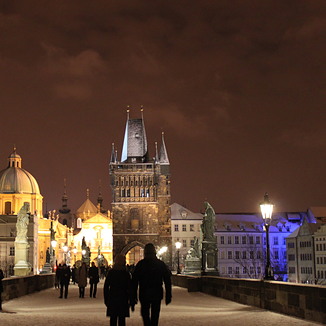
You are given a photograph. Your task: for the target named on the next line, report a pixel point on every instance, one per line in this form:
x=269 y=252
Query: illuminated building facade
x=18 y=186
x=140 y=194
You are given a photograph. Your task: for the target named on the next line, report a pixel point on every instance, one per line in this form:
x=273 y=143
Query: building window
x=192 y=243
x=222 y=239
x=291 y=257
x=251 y=240
x=12 y=251
x=79 y=223
x=229 y=254
x=275 y=241
x=291 y=270
x=244 y=255
x=184 y=243
x=237 y=255
x=251 y=253
x=236 y=239
x=244 y=240
x=176 y=227
x=244 y=270
x=276 y=254
x=258 y=270
x=192 y=228
x=7 y=207
x=252 y=270
x=229 y=270
x=237 y=270
x=229 y=240
x=258 y=254
x=257 y=240
x=184 y=227
x=290 y=244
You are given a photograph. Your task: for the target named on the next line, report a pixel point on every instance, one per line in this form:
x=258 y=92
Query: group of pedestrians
x=124 y=287
x=122 y=291
x=79 y=276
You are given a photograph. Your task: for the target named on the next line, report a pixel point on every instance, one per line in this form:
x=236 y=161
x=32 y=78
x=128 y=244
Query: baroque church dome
x=14 y=179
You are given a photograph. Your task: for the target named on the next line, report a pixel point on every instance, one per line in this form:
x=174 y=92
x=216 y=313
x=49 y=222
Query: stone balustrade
x=299 y=300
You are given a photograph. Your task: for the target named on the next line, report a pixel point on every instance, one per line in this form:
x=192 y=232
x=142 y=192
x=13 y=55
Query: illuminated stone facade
x=140 y=194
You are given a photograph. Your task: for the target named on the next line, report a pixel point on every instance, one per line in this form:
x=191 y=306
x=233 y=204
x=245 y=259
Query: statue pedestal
x=209 y=258
x=47 y=268
x=192 y=265
x=21 y=268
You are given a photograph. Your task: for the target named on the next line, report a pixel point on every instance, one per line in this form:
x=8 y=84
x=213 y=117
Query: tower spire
x=164 y=159
x=100 y=198
x=156 y=153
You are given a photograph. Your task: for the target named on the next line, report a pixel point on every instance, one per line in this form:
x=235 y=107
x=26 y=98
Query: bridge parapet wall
x=299 y=300
x=15 y=287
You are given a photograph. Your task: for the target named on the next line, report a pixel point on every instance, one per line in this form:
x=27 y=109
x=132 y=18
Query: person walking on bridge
x=65 y=274
x=116 y=290
x=94 y=278
x=149 y=275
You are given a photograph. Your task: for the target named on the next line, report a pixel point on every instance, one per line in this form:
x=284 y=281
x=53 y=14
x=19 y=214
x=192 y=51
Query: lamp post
x=53 y=244
x=75 y=253
x=266 y=208
x=178 y=245
x=65 y=250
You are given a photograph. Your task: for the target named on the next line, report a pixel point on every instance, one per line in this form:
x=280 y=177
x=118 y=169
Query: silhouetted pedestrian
x=94 y=278
x=1 y=288
x=117 y=292
x=82 y=279
x=57 y=276
x=149 y=275
x=73 y=274
x=64 y=280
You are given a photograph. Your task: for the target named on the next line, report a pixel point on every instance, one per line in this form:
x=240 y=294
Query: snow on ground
x=46 y=309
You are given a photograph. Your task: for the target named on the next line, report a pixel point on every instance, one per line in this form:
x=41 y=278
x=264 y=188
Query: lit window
x=184 y=227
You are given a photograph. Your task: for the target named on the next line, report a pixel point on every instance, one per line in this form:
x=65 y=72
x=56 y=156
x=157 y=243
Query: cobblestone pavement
x=46 y=309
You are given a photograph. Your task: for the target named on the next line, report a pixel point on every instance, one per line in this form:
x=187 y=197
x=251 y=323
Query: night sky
x=238 y=87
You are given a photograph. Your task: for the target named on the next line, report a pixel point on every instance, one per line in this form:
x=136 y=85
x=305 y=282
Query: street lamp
x=65 y=249
x=266 y=208
x=178 y=245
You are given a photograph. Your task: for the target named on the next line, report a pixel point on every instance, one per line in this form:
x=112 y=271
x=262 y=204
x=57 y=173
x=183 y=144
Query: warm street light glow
x=65 y=248
x=162 y=250
x=178 y=245
x=74 y=251
x=53 y=243
x=266 y=208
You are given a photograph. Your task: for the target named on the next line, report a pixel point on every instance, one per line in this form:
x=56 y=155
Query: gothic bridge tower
x=140 y=194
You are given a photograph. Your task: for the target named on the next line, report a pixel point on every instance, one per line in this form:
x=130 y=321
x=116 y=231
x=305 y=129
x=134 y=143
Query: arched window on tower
x=64 y=222
x=79 y=223
x=7 y=207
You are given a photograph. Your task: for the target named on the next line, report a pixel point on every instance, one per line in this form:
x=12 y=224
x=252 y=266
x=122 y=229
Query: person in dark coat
x=117 y=288
x=65 y=275
x=149 y=275
x=1 y=287
x=73 y=274
x=82 y=279
x=94 y=278
x=57 y=276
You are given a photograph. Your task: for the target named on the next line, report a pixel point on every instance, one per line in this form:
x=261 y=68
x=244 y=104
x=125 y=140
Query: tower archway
x=134 y=252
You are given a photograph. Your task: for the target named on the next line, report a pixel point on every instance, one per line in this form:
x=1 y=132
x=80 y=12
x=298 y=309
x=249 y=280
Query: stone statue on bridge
x=22 y=222
x=207 y=226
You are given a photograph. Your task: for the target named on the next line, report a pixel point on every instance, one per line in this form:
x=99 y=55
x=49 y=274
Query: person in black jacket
x=94 y=278
x=65 y=274
x=149 y=275
x=117 y=292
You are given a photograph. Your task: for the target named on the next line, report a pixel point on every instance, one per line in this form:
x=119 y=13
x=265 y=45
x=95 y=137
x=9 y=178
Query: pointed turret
x=135 y=141
x=100 y=197
x=64 y=209
x=164 y=159
x=156 y=153
x=113 y=155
